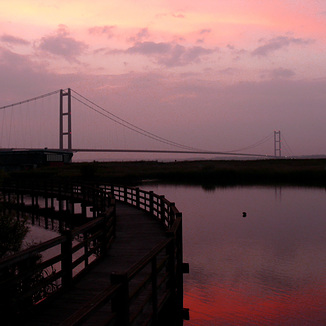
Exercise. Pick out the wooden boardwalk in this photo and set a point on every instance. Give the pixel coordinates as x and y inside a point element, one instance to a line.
<point>137,233</point>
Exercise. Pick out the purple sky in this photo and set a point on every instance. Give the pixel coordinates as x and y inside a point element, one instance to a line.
<point>216,75</point>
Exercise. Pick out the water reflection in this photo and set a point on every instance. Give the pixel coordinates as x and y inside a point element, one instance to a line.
<point>265,269</point>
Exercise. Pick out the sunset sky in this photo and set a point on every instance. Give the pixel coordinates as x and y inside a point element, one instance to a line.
<point>218,75</point>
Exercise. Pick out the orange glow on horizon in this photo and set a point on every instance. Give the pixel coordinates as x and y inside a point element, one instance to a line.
<point>85,14</point>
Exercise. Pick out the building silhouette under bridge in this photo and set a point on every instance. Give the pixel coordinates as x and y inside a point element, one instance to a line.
<point>11,160</point>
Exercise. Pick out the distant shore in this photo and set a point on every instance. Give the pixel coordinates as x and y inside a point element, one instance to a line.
<point>301,172</point>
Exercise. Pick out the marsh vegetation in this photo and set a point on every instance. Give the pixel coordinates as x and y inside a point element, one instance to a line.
<point>212,172</point>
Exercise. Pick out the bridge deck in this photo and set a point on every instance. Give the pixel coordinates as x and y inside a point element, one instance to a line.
<point>136,234</point>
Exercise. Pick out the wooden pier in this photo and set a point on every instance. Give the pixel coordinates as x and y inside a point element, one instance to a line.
<point>131,280</point>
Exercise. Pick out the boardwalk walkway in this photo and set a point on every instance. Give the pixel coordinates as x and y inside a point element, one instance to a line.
<point>137,233</point>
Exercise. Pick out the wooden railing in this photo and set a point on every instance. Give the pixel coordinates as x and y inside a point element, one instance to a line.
<point>139,296</point>
<point>157,205</point>
<point>135,297</point>
<point>34,275</point>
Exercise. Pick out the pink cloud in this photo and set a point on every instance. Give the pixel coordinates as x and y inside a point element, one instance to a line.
<point>278,43</point>
<point>13,40</point>
<point>140,36</point>
<point>100,30</point>
<point>169,54</point>
<point>62,45</point>
<point>281,73</point>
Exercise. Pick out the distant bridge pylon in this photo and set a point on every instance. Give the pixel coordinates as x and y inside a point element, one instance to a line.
<point>66,141</point>
<point>65,124</point>
<point>277,144</point>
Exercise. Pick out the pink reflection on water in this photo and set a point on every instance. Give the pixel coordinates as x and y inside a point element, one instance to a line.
<point>265,269</point>
<point>221,305</point>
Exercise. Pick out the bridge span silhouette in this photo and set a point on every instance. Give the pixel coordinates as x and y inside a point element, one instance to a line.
<point>65,143</point>
<point>118,259</point>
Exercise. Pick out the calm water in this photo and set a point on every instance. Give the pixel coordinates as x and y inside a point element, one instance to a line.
<point>268,268</point>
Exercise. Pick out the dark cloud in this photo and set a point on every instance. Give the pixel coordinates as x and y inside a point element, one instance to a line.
<point>140,36</point>
<point>169,54</point>
<point>281,73</point>
<point>17,61</point>
<point>101,50</point>
<point>277,43</point>
<point>100,30</point>
<point>202,33</point>
<point>13,40</point>
<point>61,44</point>
<point>150,48</point>
<point>237,54</point>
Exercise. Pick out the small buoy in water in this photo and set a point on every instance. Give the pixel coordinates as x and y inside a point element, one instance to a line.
<point>244,214</point>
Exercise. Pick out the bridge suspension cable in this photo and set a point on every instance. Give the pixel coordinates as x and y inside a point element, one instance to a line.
<point>113,117</point>
<point>95,107</point>
<point>29,100</point>
<point>286,146</point>
<point>256,144</point>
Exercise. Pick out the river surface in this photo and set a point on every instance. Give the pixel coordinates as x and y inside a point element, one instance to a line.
<point>267,268</point>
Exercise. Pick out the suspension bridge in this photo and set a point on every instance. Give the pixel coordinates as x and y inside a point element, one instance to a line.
<point>30,124</point>
<point>118,259</point>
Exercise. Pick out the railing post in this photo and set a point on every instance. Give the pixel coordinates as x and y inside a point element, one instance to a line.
<point>137,198</point>
<point>154,289</point>
<point>103,201</point>
<point>162,209</point>
<point>180,266</point>
<point>120,303</point>
<point>70,206</point>
<point>171,217</point>
<point>172,268</point>
<point>66,264</point>
<point>37,207</point>
<point>94,198</point>
<point>125,194</point>
<point>151,203</point>
<point>85,235</point>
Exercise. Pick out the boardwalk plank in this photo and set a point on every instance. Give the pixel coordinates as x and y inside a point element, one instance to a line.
<point>137,233</point>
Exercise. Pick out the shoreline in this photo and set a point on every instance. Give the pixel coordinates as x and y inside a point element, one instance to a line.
<point>300,172</point>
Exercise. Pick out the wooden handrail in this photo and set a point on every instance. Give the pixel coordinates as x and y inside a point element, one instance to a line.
<point>13,268</point>
<point>158,206</point>
<point>145,200</point>
<point>136,268</point>
<point>122,299</point>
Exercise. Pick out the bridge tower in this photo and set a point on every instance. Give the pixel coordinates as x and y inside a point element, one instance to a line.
<point>65,119</point>
<point>277,143</point>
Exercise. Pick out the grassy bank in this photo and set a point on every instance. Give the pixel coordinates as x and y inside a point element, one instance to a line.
<point>309,172</point>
